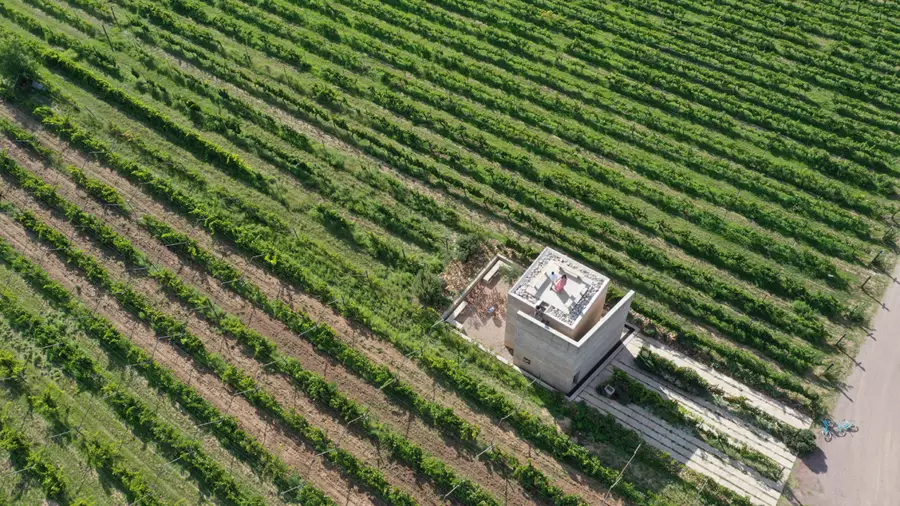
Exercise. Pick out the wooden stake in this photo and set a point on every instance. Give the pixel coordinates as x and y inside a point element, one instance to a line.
<point>700,492</point>
<point>876,257</point>
<point>107,37</point>
<point>838,343</point>
<point>863,287</point>
<point>622,472</point>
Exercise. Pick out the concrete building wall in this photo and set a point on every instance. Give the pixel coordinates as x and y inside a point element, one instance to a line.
<point>592,315</point>
<point>602,337</point>
<point>513,306</point>
<point>558,360</point>
<point>543,352</point>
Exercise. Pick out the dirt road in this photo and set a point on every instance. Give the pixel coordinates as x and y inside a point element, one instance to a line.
<point>863,469</point>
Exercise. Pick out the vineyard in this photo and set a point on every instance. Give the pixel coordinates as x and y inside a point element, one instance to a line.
<point>228,230</point>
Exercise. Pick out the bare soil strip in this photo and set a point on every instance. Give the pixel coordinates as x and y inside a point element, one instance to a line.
<point>404,422</point>
<point>278,439</point>
<point>568,479</point>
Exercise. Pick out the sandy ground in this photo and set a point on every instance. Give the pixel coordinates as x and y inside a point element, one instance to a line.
<point>863,469</point>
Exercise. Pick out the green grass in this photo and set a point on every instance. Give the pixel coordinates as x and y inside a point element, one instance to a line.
<point>722,192</point>
<point>100,422</point>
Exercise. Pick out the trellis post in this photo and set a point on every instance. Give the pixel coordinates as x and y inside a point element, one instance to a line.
<point>622,473</point>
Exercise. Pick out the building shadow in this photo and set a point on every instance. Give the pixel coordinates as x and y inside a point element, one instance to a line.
<point>817,462</point>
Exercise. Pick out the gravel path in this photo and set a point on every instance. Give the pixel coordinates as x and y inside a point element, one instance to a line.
<point>863,468</point>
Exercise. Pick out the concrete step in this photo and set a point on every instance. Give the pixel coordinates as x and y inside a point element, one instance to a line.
<point>690,451</point>
<point>728,385</point>
<point>715,417</point>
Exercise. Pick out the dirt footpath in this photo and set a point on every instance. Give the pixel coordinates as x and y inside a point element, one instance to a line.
<point>863,469</point>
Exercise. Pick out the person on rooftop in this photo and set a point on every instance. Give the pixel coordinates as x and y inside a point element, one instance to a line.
<point>560,284</point>
<point>553,277</point>
<point>539,312</point>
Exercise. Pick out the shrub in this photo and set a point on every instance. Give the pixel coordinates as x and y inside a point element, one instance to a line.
<point>429,289</point>
<point>469,245</point>
<point>803,309</point>
<point>856,314</point>
<point>882,262</point>
<point>890,237</point>
<point>510,273</point>
<point>10,366</point>
<point>16,61</point>
<point>666,409</point>
<point>801,442</point>
<point>683,377</point>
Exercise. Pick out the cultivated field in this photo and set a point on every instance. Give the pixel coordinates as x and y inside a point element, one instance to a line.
<point>228,229</point>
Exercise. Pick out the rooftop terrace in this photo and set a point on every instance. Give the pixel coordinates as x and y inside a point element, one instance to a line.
<point>569,305</point>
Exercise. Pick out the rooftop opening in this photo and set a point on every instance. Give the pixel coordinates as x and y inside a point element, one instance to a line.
<point>570,306</point>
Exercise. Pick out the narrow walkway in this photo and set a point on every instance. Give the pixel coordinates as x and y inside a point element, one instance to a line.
<point>687,449</point>
<point>681,443</point>
<point>863,468</point>
<point>717,418</point>
<point>727,384</point>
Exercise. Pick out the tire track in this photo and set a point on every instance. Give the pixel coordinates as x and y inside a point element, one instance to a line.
<point>402,420</point>
<point>570,480</point>
<point>279,439</point>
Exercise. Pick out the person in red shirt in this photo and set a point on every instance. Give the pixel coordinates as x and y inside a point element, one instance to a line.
<point>560,284</point>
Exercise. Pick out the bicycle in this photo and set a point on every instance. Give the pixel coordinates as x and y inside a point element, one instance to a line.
<point>828,429</point>
<point>845,426</point>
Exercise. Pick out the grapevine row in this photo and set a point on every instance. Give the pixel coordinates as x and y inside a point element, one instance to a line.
<point>813,333</point>
<point>315,386</point>
<point>791,354</point>
<point>27,457</point>
<point>798,47</point>
<point>648,166</point>
<point>850,84</point>
<point>546,437</point>
<point>225,428</point>
<point>692,84</point>
<point>745,365</point>
<point>541,74</point>
<point>757,277</point>
<point>312,384</point>
<point>100,453</point>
